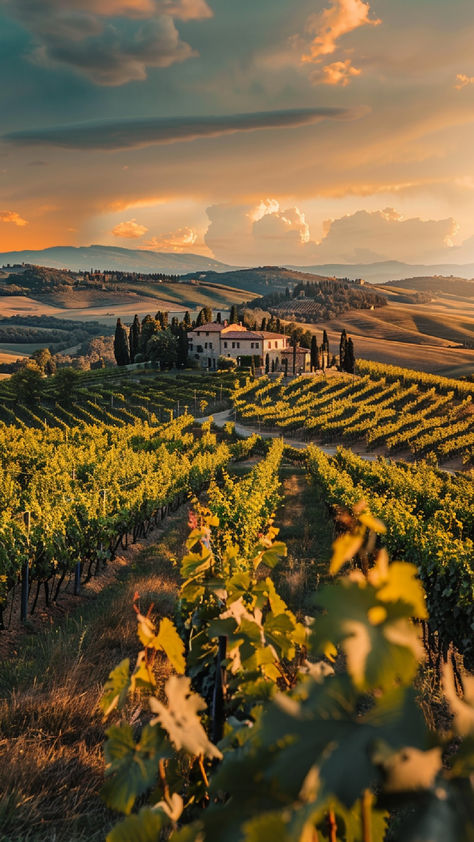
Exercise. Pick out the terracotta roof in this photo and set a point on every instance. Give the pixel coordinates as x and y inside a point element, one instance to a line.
<point>215,327</point>
<point>241,334</point>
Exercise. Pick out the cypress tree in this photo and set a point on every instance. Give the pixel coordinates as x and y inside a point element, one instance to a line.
<point>234,315</point>
<point>343,351</point>
<point>267,364</point>
<point>121,352</point>
<point>314,353</point>
<point>325,342</point>
<point>149,327</point>
<point>134,338</point>
<point>183,346</point>
<point>278,326</point>
<point>208,314</point>
<point>350,357</point>
<point>219,318</point>
<point>187,320</point>
<point>164,320</point>
<point>263,326</point>
<point>201,319</point>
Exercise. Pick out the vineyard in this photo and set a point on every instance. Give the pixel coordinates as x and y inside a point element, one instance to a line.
<point>243,713</point>
<point>400,411</point>
<point>111,397</point>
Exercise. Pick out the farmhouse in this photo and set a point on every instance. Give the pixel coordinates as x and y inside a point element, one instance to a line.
<point>210,341</point>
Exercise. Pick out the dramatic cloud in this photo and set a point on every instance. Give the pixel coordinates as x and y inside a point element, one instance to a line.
<point>127,134</point>
<point>338,73</point>
<point>342,17</point>
<point>384,235</point>
<point>181,240</point>
<point>13,217</point>
<point>267,234</point>
<point>261,234</point>
<point>130,230</point>
<point>462,81</point>
<point>110,41</point>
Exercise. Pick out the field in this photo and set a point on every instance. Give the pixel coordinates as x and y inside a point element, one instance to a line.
<point>290,671</point>
<point>421,336</point>
<point>106,307</point>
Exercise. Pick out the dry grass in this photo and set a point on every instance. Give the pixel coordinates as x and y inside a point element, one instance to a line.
<point>51,729</point>
<point>307,530</point>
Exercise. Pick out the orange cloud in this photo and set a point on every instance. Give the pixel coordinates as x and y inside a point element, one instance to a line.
<point>463,81</point>
<point>14,217</point>
<point>342,17</point>
<point>179,240</point>
<point>130,230</point>
<point>338,73</point>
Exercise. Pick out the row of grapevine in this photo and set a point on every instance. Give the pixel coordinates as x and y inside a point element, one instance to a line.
<point>256,738</point>
<point>390,373</point>
<point>395,414</point>
<point>75,495</point>
<point>120,400</point>
<point>429,536</point>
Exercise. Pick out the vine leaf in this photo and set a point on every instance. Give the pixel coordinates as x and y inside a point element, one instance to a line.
<point>376,654</point>
<point>116,688</point>
<point>167,640</point>
<point>266,828</point>
<point>403,585</point>
<point>181,720</point>
<point>130,766</point>
<point>173,808</point>
<point>343,550</point>
<point>144,827</point>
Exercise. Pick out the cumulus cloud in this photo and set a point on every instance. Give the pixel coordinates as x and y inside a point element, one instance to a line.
<point>269,234</point>
<point>338,73</point>
<point>127,134</point>
<point>110,41</point>
<point>180,240</point>
<point>130,230</point>
<point>265,233</point>
<point>327,27</point>
<point>385,235</point>
<point>13,217</point>
<point>462,81</point>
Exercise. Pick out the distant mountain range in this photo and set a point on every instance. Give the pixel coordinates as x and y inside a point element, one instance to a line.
<point>84,258</point>
<point>389,270</point>
<point>139,260</point>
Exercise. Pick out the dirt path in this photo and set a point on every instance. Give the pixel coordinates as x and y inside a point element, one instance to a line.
<point>306,528</point>
<point>220,418</point>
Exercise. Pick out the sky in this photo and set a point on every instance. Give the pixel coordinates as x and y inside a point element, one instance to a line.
<point>258,132</point>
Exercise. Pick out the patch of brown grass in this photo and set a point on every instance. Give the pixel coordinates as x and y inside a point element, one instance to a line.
<point>51,729</point>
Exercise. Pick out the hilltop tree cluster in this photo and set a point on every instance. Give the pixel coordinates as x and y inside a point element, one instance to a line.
<point>314,301</point>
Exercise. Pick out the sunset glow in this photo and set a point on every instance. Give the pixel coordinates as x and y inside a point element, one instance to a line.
<point>278,131</point>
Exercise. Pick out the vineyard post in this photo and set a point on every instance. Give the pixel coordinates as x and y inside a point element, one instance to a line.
<point>77,578</point>
<point>25,573</point>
